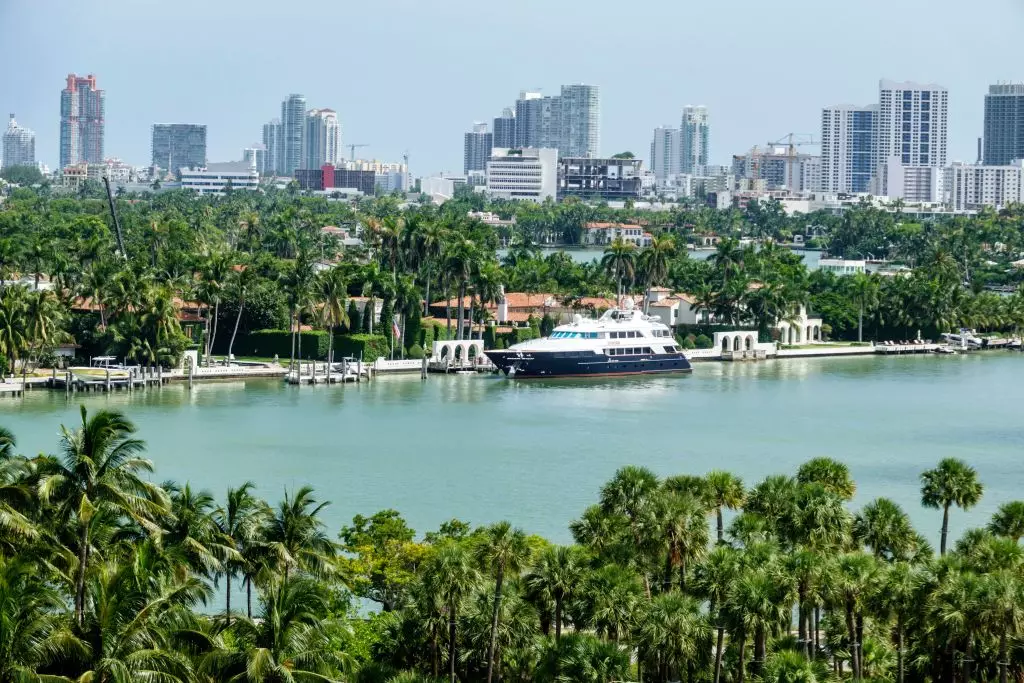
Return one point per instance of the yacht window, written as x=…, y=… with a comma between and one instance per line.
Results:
x=647, y=349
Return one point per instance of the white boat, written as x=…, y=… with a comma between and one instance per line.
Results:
x=623, y=341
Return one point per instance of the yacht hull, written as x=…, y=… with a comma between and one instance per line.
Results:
x=537, y=365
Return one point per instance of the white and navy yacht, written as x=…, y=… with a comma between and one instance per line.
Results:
x=623, y=341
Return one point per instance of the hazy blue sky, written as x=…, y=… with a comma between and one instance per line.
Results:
x=409, y=74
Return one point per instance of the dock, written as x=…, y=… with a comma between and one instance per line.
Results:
x=889, y=349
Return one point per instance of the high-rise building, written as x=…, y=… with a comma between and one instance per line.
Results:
x=505, y=129
x=293, y=115
x=580, y=124
x=178, y=145
x=530, y=174
x=912, y=123
x=849, y=154
x=666, y=154
x=256, y=157
x=694, y=134
x=970, y=187
x=81, y=121
x=569, y=122
x=477, y=149
x=322, y=142
x=1004, y=124
x=273, y=140
x=19, y=146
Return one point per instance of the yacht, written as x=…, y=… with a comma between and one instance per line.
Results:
x=623, y=341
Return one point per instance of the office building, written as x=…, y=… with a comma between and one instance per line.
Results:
x=19, y=146
x=849, y=155
x=273, y=140
x=322, y=139
x=293, y=120
x=592, y=178
x=329, y=177
x=218, y=178
x=912, y=123
x=580, y=122
x=256, y=157
x=1004, y=124
x=695, y=135
x=81, y=121
x=538, y=120
x=505, y=129
x=477, y=148
x=530, y=174
x=971, y=187
x=178, y=145
x=666, y=153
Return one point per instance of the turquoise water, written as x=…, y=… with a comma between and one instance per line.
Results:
x=482, y=448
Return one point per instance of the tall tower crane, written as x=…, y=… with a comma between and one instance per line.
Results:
x=792, y=141
x=352, y=149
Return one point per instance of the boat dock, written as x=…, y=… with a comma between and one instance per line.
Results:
x=900, y=348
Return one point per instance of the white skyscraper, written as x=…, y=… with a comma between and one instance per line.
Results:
x=321, y=142
x=912, y=123
x=273, y=140
x=293, y=114
x=19, y=146
x=666, y=155
x=477, y=146
x=849, y=155
x=695, y=134
x=580, y=129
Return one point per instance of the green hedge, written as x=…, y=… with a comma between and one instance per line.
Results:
x=268, y=343
x=368, y=346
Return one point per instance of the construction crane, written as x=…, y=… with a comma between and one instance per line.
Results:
x=352, y=149
x=792, y=141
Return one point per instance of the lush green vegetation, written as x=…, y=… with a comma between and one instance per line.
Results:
x=105, y=576
x=251, y=262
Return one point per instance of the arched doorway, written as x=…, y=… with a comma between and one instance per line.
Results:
x=725, y=343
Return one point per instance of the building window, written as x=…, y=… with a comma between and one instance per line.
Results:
x=924, y=158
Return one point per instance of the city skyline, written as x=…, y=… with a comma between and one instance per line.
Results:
x=375, y=110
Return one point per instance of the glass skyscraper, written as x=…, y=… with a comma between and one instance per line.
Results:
x=19, y=146
x=1004, y=124
x=695, y=135
x=293, y=119
x=178, y=145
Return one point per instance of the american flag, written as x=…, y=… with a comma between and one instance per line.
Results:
x=395, y=332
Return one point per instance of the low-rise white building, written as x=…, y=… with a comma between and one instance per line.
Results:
x=841, y=266
x=606, y=233
x=971, y=187
x=217, y=178
x=910, y=183
x=528, y=173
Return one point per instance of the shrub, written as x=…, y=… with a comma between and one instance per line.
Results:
x=688, y=344
x=703, y=342
x=268, y=343
x=415, y=352
x=369, y=346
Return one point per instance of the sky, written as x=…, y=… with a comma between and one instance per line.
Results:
x=413, y=75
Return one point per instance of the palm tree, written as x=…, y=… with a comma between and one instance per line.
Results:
x=191, y=537
x=292, y=641
x=16, y=494
x=654, y=262
x=832, y=475
x=761, y=598
x=555, y=577
x=726, y=491
x=1008, y=520
x=674, y=633
x=298, y=283
x=714, y=579
x=97, y=477
x=31, y=634
x=14, y=337
x=619, y=261
x=1002, y=600
x=461, y=261
x=787, y=666
x=333, y=304
x=213, y=281
x=855, y=582
x=866, y=291
x=242, y=280
x=502, y=549
x=241, y=520
x=683, y=521
x=451, y=574
x=886, y=530
x=631, y=494
x=582, y=658
x=295, y=534
x=952, y=482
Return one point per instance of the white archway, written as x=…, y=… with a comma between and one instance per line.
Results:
x=458, y=351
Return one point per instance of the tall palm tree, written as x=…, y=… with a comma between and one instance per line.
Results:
x=725, y=491
x=866, y=291
x=830, y=474
x=502, y=549
x=213, y=282
x=241, y=283
x=675, y=635
x=97, y=477
x=886, y=530
x=295, y=534
x=241, y=520
x=556, y=576
x=619, y=261
x=714, y=579
x=654, y=262
x=333, y=295
x=450, y=575
x=14, y=335
x=298, y=284
x=952, y=482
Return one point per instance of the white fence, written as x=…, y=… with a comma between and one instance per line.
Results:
x=408, y=365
